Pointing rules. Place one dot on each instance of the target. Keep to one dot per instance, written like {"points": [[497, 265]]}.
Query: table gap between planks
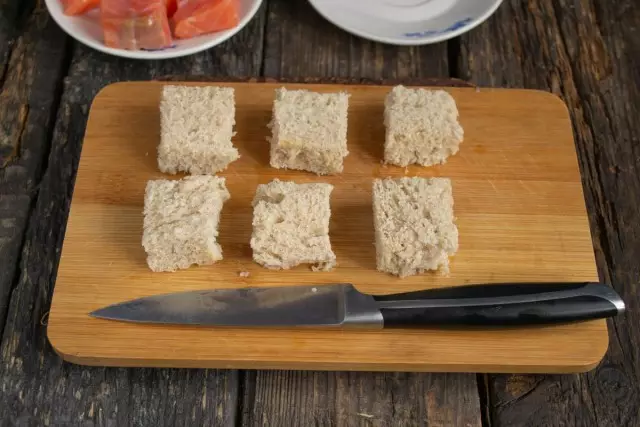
{"points": [[587, 52]]}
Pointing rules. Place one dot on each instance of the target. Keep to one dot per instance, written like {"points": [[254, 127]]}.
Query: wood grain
{"points": [[28, 100], [38, 388], [520, 213], [585, 51], [10, 28], [302, 47], [290, 398], [588, 53], [299, 43]]}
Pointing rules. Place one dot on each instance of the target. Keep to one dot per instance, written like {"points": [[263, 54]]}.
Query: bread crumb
{"points": [[363, 415], [323, 267], [244, 274]]}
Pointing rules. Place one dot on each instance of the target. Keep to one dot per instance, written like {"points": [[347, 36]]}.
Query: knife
{"points": [[343, 306]]}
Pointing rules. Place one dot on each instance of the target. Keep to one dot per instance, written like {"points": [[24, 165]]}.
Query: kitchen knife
{"points": [[343, 306]]}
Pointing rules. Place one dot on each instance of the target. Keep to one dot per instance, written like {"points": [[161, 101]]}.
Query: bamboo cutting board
{"points": [[519, 207]]}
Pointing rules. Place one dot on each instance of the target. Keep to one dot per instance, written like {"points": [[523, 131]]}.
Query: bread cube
{"points": [[421, 127], [181, 222], [309, 131], [291, 225], [414, 225], [196, 126]]}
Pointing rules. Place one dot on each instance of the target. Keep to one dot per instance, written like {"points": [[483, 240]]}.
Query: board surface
{"points": [[518, 201]]}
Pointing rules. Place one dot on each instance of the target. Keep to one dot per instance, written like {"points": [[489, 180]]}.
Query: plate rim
{"points": [[151, 55], [436, 38]]}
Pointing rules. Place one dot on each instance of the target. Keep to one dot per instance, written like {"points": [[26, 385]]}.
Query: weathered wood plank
{"points": [[37, 388], [588, 53], [301, 44], [30, 82], [290, 398], [11, 13], [14, 211]]}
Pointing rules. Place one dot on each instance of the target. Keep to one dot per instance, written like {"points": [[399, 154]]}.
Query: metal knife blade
{"points": [[338, 305], [343, 306]]}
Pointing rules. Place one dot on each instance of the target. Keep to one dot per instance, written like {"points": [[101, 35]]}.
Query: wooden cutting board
{"points": [[519, 207]]}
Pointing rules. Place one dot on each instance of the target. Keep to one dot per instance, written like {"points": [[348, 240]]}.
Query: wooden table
{"points": [[585, 51]]}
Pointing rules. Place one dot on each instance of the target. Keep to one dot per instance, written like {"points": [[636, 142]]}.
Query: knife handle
{"points": [[501, 305]]}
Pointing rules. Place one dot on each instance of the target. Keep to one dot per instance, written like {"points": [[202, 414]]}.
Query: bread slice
{"points": [[309, 131], [196, 126], [181, 222], [414, 225], [421, 127], [291, 225]]}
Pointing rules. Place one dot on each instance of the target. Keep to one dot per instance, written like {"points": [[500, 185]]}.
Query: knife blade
{"points": [[343, 306]]}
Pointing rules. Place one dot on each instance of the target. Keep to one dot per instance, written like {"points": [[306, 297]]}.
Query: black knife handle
{"points": [[501, 305]]}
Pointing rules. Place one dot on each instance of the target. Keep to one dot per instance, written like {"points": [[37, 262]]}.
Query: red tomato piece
{"points": [[196, 17], [78, 7], [172, 7], [135, 24]]}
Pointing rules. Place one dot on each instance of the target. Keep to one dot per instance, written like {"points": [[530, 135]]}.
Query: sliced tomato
{"points": [[135, 24], [196, 17], [172, 7], [78, 7]]}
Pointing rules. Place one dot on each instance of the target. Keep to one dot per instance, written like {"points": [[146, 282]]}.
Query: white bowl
{"points": [[406, 22], [86, 29]]}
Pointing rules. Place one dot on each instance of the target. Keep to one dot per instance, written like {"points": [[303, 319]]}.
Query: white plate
{"points": [[86, 29], [406, 22]]}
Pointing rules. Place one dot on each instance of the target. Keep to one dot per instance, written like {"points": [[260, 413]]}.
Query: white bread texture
{"points": [[421, 127], [196, 126], [309, 131], [414, 225], [181, 219], [291, 225]]}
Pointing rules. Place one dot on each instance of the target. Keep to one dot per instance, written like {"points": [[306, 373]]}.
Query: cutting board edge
{"points": [[96, 360], [428, 83], [492, 368], [585, 364]]}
